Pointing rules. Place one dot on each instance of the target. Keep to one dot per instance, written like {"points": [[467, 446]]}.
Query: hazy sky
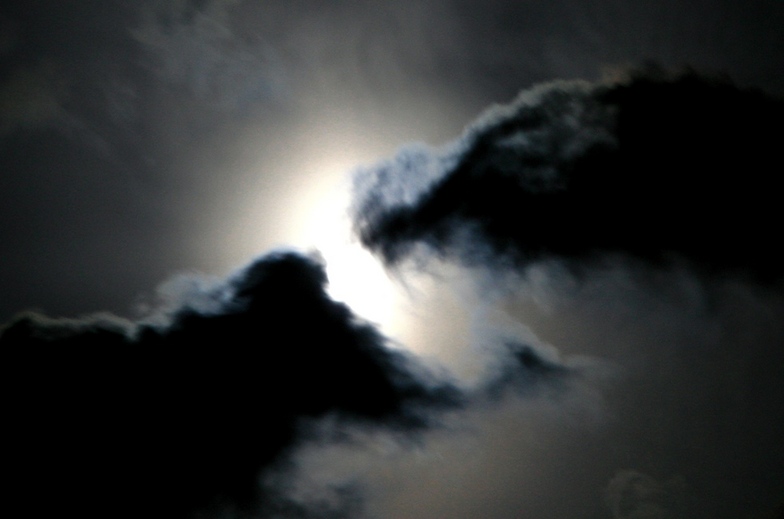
{"points": [[591, 293]]}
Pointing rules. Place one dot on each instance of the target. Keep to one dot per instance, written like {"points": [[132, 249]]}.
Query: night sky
{"points": [[433, 259]]}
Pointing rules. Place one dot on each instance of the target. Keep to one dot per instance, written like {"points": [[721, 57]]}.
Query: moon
{"points": [[355, 276]]}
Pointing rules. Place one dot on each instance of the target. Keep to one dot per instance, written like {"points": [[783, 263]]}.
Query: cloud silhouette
{"points": [[107, 417], [631, 222], [188, 411], [654, 165]]}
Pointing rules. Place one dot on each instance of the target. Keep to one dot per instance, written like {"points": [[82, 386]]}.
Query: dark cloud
{"points": [[627, 222], [105, 417], [654, 165], [191, 410]]}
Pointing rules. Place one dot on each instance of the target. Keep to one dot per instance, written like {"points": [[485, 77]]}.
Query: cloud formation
{"points": [[194, 47], [654, 166], [628, 221], [106, 417], [190, 411], [116, 116]]}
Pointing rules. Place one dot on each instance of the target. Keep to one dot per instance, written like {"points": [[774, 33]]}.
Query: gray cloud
{"points": [[632, 495], [196, 48], [31, 98], [672, 378]]}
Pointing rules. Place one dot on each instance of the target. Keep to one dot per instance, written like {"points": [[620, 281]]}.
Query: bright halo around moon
{"points": [[413, 309], [356, 278], [297, 195]]}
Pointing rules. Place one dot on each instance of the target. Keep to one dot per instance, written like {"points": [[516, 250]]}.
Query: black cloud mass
{"points": [[111, 419], [655, 165], [633, 220]]}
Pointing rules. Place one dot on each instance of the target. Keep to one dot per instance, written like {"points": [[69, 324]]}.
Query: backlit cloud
{"points": [[651, 166]]}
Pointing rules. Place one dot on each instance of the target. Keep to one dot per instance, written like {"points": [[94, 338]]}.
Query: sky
{"points": [[381, 260]]}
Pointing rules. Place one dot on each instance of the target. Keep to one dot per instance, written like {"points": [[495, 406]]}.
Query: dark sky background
{"points": [[596, 320]]}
